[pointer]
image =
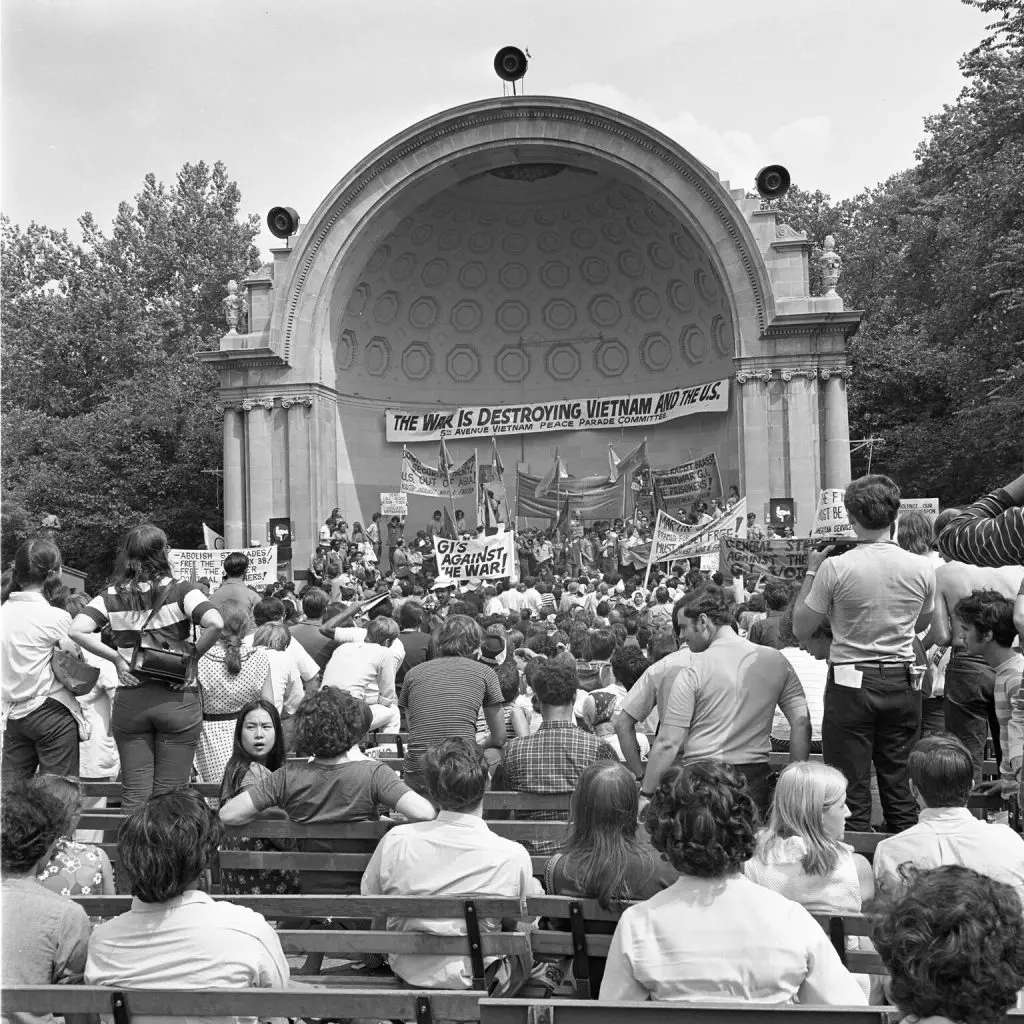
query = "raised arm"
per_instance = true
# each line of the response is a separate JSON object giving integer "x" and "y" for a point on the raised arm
{"x": 991, "y": 531}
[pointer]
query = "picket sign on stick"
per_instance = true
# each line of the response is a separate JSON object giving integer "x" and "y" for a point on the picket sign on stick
{"x": 830, "y": 519}
{"x": 486, "y": 558}
{"x": 194, "y": 563}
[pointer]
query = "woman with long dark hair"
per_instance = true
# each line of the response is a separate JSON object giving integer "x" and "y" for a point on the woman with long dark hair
{"x": 156, "y": 724}
{"x": 603, "y": 856}
{"x": 259, "y": 750}
{"x": 41, "y": 718}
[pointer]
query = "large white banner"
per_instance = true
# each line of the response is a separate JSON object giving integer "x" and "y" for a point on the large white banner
{"x": 706, "y": 541}
{"x": 482, "y": 558}
{"x": 186, "y": 561}
{"x": 419, "y": 478}
{"x": 581, "y": 414}
{"x": 669, "y": 538}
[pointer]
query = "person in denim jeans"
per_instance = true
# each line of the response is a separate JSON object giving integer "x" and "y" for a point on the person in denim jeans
{"x": 156, "y": 725}
{"x": 877, "y": 597}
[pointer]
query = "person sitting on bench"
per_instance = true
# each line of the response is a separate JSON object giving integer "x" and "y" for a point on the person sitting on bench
{"x": 953, "y": 944}
{"x": 714, "y": 934}
{"x": 175, "y": 936}
{"x": 454, "y": 855}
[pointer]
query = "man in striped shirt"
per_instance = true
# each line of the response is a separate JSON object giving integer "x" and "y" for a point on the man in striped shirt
{"x": 989, "y": 532}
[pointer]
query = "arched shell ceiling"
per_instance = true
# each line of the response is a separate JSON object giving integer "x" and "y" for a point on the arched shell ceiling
{"x": 533, "y": 282}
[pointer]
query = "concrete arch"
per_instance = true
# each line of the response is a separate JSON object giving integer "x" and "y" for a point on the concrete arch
{"x": 464, "y": 141}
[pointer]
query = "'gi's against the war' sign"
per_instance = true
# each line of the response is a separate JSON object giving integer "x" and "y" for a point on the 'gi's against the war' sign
{"x": 482, "y": 558}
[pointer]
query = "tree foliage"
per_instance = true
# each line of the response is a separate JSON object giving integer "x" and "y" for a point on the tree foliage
{"x": 935, "y": 258}
{"x": 108, "y": 417}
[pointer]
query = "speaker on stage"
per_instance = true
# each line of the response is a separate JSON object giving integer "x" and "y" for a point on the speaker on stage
{"x": 510, "y": 63}
{"x": 772, "y": 182}
{"x": 283, "y": 221}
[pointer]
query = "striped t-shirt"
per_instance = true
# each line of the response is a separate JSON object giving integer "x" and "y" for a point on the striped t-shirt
{"x": 442, "y": 699}
{"x": 185, "y": 604}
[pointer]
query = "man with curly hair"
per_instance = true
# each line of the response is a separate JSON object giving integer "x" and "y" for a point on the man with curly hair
{"x": 953, "y": 944}
{"x": 714, "y": 934}
{"x": 44, "y": 935}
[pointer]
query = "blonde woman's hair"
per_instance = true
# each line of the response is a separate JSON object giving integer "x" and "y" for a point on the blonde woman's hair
{"x": 274, "y": 635}
{"x": 805, "y": 790}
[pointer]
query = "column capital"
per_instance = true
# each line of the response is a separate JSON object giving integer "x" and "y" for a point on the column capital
{"x": 810, "y": 372}
{"x": 836, "y": 371}
{"x": 289, "y": 400}
{"x": 745, "y": 376}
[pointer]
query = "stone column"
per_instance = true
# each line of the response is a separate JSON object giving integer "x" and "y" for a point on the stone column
{"x": 234, "y": 485}
{"x": 300, "y": 479}
{"x": 804, "y": 445}
{"x": 260, "y": 468}
{"x": 837, "y": 427}
{"x": 754, "y": 459}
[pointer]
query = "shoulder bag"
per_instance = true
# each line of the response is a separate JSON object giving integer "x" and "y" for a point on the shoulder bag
{"x": 72, "y": 672}
{"x": 162, "y": 659}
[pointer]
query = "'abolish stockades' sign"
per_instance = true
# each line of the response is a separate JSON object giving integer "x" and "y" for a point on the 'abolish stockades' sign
{"x": 782, "y": 557}
{"x": 262, "y": 564}
{"x": 580, "y": 414}
{"x": 487, "y": 558}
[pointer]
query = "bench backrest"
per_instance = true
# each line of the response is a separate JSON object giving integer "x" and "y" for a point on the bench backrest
{"x": 573, "y": 1011}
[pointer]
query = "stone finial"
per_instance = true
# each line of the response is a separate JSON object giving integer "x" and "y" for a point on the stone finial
{"x": 231, "y": 304}
{"x": 831, "y": 263}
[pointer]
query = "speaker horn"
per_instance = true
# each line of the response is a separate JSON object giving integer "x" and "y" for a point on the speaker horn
{"x": 283, "y": 221}
{"x": 772, "y": 182}
{"x": 510, "y": 63}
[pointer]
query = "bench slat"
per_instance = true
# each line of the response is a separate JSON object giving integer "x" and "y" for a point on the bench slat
{"x": 300, "y": 1001}
{"x": 353, "y": 943}
{"x": 576, "y": 1011}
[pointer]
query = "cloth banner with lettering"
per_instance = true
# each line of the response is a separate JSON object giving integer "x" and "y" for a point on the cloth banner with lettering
{"x": 692, "y": 481}
{"x": 784, "y": 558}
{"x": 706, "y": 540}
{"x": 648, "y": 410}
{"x": 481, "y": 558}
{"x": 188, "y": 563}
{"x": 419, "y": 478}
{"x": 830, "y": 518}
{"x": 592, "y": 497}
{"x": 669, "y": 538}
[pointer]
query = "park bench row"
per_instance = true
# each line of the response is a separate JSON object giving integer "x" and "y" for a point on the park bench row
{"x": 419, "y": 1005}
{"x": 587, "y": 929}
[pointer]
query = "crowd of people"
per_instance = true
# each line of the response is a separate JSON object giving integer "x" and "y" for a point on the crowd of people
{"x": 654, "y": 711}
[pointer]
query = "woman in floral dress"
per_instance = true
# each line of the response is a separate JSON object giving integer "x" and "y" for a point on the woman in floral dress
{"x": 231, "y": 675}
{"x": 259, "y": 750}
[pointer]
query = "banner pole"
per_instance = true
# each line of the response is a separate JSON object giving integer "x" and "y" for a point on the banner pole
{"x": 654, "y": 545}
{"x": 476, "y": 460}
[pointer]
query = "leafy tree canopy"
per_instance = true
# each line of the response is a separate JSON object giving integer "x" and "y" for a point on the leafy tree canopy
{"x": 108, "y": 418}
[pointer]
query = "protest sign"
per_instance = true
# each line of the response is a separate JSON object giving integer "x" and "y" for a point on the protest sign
{"x": 394, "y": 504}
{"x": 419, "y": 478}
{"x": 670, "y": 536}
{"x": 581, "y": 414}
{"x": 187, "y": 563}
{"x": 785, "y": 558}
{"x": 830, "y": 518}
{"x": 927, "y": 505}
{"x": 479, "y": 558}
{"x": 692, "y": 481}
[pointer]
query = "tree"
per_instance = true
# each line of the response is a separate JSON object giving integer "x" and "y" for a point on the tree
{"x": 109, "y": 418}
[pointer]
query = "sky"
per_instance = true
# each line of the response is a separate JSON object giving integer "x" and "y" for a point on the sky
{"x": 291, "y": 93}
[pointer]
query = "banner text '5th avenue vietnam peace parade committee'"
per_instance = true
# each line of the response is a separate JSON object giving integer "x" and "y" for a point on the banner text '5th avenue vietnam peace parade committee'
{"x": 578, "y": 414}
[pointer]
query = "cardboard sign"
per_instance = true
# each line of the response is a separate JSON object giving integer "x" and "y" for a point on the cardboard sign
{"x": 394, "y": 504}
{"x": 927, "y": 505}
{"x": 578, "y": 414}
{"x": 187, "y": 564}
{"x": 784, "y": 558}
{"x": 830, "y": 518}
{"x": 486, "y": 558}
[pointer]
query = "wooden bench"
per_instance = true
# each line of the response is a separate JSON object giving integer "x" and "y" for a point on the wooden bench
{"x": 573, "y": 1011}
{"x": 778, "y": 760}
{"x": 311, "y": 1003}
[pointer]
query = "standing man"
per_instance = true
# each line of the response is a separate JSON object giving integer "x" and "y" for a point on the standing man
{"x": 236, "y": 565}
{"x": 460, "y": 522}
{"x": 435, "y": 526}
{"x": 876, "y": 597}
{"x": 723, "y": 703}
{"x": 396, "y": 528}
{"x": 969, "y": 684}
{"x": 373, "y": 535}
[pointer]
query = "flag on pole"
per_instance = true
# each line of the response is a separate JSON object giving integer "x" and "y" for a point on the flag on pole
{"x": 551, "y": 477}
{"x": 636, "y": 459}
{"x": 445, "y": 464}
{"x": 496, "y": 464}
{"x": 448, "y": 525}
{"x": 213, "y": 540}
{"x": 562, "y": 526}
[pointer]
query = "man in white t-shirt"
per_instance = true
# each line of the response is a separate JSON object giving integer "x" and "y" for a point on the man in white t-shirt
{"x": 366, "y": 669}
{"x": 877, "y": 597}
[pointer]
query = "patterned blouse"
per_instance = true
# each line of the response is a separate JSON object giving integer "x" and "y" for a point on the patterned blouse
{"x": 75, "y": 869}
